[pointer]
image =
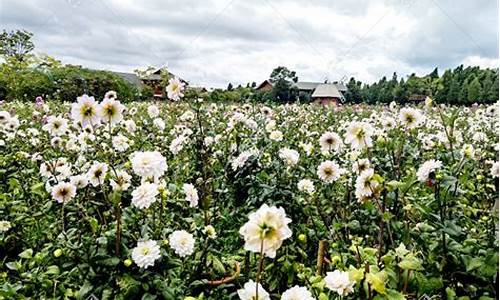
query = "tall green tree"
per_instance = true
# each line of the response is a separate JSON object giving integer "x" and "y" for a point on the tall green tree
{"x": 473, "y": 91}
{"x": 284, "y": 89}
{"x": 16, "y": 44}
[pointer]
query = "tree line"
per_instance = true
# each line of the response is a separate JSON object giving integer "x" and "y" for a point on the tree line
{"x": 459, "y": 86}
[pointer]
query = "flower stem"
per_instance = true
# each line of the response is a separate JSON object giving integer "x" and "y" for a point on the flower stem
{"x": 259, "y": 271}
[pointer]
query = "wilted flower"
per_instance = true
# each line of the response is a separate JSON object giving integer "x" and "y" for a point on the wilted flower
{"x": 361, "y": 165}
{"x": 266, "y": 230}
{"x": 427, "y": 168}
{"x": 145, "y": 253}
{"x": 209, "y": 230}
{"x": 121, "y": 182}
{"x": 240, "y": 161}
{"x": 290, "y": 157}
{"x": 191, "y": 194}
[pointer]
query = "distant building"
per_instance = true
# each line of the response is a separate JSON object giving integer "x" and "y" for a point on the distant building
{"x": 321, "y": 93}
{"x": 153, "y": 81}
{"x": 265, "y": 86}
{"x": 417, "y": 98}
{"x": 327, "y": 94}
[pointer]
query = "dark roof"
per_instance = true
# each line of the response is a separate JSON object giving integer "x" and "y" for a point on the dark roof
{"x": 129, "y": 77}
{"x": 306, "y": 86}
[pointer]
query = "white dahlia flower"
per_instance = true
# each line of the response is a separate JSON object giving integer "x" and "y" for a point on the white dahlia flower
{"x": 339, "y": 282}
{"x": 306, "y": 186}
{"x": 111, "y": 111}
{"x": 329, "y": 171}
{"x": 266, "y": 228}
{"x": 85, "y": 110}
{"x": 330, "y": 141}
{"x": 359, "y": 134}
{"x": 297, "y": 293}
{"x": 411, "y": 117}
{"x": 182, "y": 242}
{"x": 63, "y": 192}
{"x": 145, "y": 253}
{"x": 175, "y": 88}
{"x": 250, "y": 288}
{"x": 144, "y": 195}
{"x": 149, "y": 164}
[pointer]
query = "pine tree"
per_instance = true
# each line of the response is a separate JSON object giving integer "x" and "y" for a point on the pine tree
{"x": 493, "y": 94}
{"x": 473, "y": 91}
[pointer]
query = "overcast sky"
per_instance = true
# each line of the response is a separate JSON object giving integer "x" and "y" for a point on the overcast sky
{"x": 211, "y": 43}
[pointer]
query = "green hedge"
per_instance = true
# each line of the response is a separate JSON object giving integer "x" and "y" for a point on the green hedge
{"x": 63, "y": 84}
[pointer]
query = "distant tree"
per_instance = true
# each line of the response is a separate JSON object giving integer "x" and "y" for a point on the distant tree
{"x": 434, "y": 74}
{"x": 230, "y": 87}
{"x": 453, "y": 92}
{"x": 353, "y": 94}
{"x": 254, "y": 84}
{"x": 282, "y": 73}
{"x": 16, "y": 44}
{"x": 473, "y": 91}
{"x": 493, "y": 92}
{"x": 284, "y": 89}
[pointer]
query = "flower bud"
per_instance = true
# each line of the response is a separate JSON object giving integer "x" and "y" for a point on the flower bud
{"x": 58, "y": 253}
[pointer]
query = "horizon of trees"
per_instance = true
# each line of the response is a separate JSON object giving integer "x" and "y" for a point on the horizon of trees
{"x": 459, "y": 86}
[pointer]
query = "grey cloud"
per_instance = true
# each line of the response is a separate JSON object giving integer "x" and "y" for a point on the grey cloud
{"x": 211, "y": 42}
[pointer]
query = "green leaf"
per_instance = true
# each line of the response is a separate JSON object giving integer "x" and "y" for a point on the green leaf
{"x": 13, "y": 265}
{"x": 473, "y": 263}
{"x": 391, "y": 295}
{"x": 401, "y": 250}
{"x": 52, "y": 270}
{"x": 110, "y": 262}
{"x": 410, "y": 262}
{"x": 28, "y": 253}
{"x": 84, "y": 290}
{"x": 377, "y": 281}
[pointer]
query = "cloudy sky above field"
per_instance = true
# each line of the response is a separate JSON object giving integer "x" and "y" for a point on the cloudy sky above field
{"x": 211, "y": 43}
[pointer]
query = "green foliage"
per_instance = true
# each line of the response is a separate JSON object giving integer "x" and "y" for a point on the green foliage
{"x": 458, "y": 86}
{"x": 16, "y": 44}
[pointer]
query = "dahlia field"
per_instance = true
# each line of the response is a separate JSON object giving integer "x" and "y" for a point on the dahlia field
{"x": 195, "y": 200}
